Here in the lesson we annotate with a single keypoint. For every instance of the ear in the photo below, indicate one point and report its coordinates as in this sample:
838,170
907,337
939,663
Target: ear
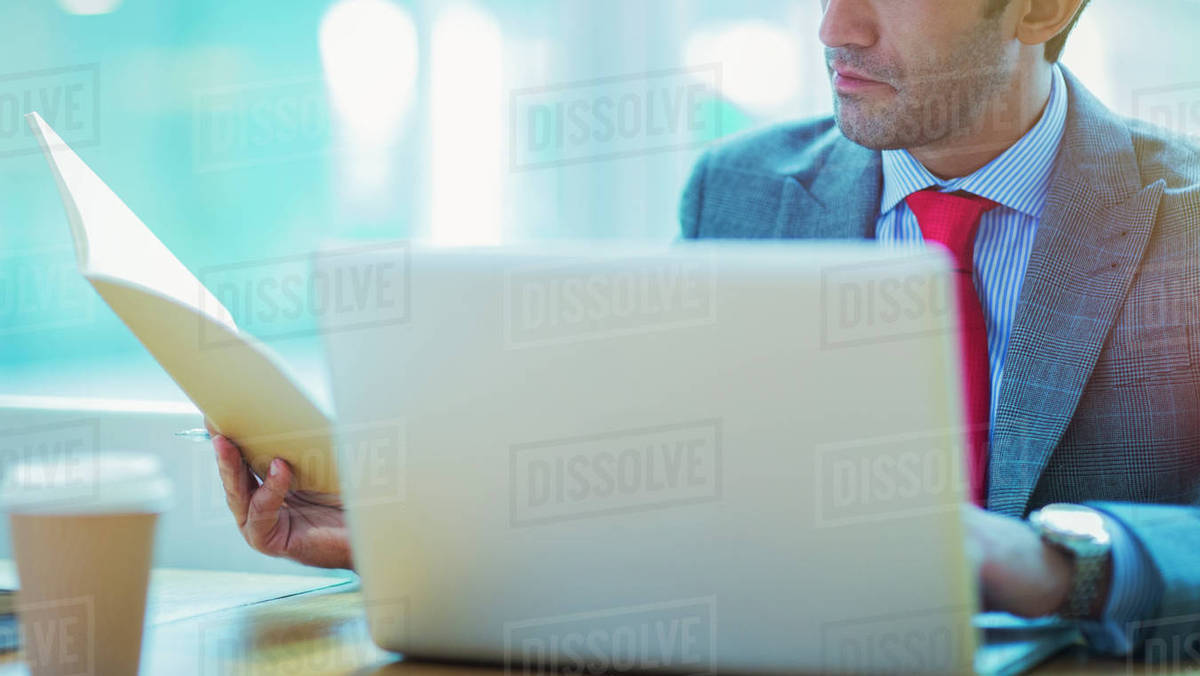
1044,19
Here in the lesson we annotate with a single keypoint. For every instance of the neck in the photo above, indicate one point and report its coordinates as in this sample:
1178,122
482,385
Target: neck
1003,120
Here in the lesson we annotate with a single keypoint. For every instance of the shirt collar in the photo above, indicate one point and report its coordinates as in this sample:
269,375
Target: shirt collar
1017,179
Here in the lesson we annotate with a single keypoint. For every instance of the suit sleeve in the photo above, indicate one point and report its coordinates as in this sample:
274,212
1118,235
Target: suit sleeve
693,199
1169,538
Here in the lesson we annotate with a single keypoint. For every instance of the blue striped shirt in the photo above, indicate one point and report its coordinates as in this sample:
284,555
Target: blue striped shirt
1017,180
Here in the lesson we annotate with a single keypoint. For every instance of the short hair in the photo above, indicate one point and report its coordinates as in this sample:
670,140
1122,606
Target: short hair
1055,46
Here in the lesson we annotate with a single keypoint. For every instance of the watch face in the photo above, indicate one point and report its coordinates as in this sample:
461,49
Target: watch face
1072,525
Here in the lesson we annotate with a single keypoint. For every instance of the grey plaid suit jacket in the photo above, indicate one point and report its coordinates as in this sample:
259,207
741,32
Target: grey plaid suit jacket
1100,401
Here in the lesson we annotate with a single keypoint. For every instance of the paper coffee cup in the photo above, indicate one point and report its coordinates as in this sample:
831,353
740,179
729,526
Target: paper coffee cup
83,539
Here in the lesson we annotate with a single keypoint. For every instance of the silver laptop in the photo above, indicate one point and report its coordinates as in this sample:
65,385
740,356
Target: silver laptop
688,458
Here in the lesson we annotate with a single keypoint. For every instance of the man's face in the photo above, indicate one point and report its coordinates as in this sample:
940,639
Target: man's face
909,73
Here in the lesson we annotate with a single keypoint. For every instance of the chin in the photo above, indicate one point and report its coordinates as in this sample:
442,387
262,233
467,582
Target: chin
860,131
872,129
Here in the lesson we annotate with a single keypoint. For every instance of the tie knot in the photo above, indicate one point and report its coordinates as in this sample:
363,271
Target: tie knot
950,219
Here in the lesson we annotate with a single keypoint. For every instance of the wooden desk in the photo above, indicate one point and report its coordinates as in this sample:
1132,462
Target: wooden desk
324,632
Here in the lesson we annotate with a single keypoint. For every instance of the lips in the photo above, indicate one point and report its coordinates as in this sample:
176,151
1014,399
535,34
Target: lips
848,81
852,74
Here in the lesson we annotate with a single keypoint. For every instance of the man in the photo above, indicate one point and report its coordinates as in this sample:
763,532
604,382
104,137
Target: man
1076,234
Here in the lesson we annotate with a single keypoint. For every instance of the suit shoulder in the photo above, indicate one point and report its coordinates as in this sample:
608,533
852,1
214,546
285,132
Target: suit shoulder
784,149
1165,155
1175,160
735,188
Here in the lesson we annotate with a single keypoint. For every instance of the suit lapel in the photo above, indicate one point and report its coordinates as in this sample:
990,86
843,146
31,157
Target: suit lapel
1093,232
837,198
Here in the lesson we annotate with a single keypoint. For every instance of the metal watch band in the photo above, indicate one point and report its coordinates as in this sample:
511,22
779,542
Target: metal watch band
1085,586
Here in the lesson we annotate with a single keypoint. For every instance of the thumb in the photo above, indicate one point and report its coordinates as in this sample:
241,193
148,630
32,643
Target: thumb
267,501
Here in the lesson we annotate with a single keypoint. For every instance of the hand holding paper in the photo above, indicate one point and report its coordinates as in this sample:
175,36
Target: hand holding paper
239,384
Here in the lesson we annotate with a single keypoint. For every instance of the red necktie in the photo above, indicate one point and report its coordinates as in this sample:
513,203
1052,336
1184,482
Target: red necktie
952,220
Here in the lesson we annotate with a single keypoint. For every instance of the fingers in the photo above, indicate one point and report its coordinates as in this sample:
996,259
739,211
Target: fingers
266,502
236,478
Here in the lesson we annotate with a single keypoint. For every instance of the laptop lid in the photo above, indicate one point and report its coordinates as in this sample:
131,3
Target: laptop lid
678,458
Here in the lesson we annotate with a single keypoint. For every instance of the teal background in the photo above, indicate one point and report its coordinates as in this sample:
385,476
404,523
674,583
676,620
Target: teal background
163,65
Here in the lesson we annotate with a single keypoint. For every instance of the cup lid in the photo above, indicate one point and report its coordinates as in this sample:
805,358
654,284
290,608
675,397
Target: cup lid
108,483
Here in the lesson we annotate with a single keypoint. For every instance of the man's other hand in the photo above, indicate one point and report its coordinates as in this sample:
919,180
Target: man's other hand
1018,573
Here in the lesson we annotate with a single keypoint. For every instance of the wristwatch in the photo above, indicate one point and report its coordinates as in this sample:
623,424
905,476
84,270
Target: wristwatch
1079,532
